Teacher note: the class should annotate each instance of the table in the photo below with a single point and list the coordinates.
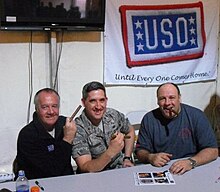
(200, 179)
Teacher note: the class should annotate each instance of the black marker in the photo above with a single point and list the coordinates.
(38, 184)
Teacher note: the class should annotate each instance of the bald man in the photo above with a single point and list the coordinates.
(175, 131)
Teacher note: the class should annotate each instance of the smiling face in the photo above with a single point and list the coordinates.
(169, 100)
(47, 109)
(95, 105)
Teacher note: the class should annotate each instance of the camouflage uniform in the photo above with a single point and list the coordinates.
(93, 141)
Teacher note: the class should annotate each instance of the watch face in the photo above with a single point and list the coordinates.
(192, 162)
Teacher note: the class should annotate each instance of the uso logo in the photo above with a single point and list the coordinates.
(162, 33)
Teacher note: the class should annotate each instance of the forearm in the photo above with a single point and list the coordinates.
(143, 156)
(129, 144)
(206, 155)
(94, 165)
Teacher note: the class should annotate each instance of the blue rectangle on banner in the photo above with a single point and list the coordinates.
(164, 33)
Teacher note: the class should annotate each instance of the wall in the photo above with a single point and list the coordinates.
(81, 61)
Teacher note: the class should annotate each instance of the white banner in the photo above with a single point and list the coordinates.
(149, 42)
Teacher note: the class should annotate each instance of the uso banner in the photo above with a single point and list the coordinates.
(153, 42)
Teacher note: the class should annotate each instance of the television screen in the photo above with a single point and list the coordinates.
(52, 15)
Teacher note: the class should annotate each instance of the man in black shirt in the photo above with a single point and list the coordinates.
(44, 146)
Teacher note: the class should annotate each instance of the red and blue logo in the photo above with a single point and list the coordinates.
(159, 34)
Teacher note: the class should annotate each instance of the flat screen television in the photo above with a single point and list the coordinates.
(77, 15)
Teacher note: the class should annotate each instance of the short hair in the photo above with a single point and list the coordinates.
(91, 86)
(175, 85)
(48, 90)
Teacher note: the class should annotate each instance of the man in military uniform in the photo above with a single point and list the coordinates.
(100, 141)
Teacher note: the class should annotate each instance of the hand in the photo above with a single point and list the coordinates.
(181, 166)
(159, 159)
(116, 144)
(127, 163)
(69, 131)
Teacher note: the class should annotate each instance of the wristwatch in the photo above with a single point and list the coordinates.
(126, 157)
(193, 162)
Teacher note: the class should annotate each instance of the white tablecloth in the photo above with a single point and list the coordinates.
(200, 179)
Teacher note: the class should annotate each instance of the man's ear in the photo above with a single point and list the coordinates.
(83, 102)
(180, 98)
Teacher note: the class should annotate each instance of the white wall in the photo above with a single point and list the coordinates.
(14, 95)
(80, 63)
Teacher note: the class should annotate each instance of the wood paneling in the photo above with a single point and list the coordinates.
(44, 36)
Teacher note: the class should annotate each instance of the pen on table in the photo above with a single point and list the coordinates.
(38, 184)
(75, 112)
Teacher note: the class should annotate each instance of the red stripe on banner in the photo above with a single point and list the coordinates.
(134, 59)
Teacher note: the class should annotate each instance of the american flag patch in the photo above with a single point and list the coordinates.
(50, 148)
(158, 34)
